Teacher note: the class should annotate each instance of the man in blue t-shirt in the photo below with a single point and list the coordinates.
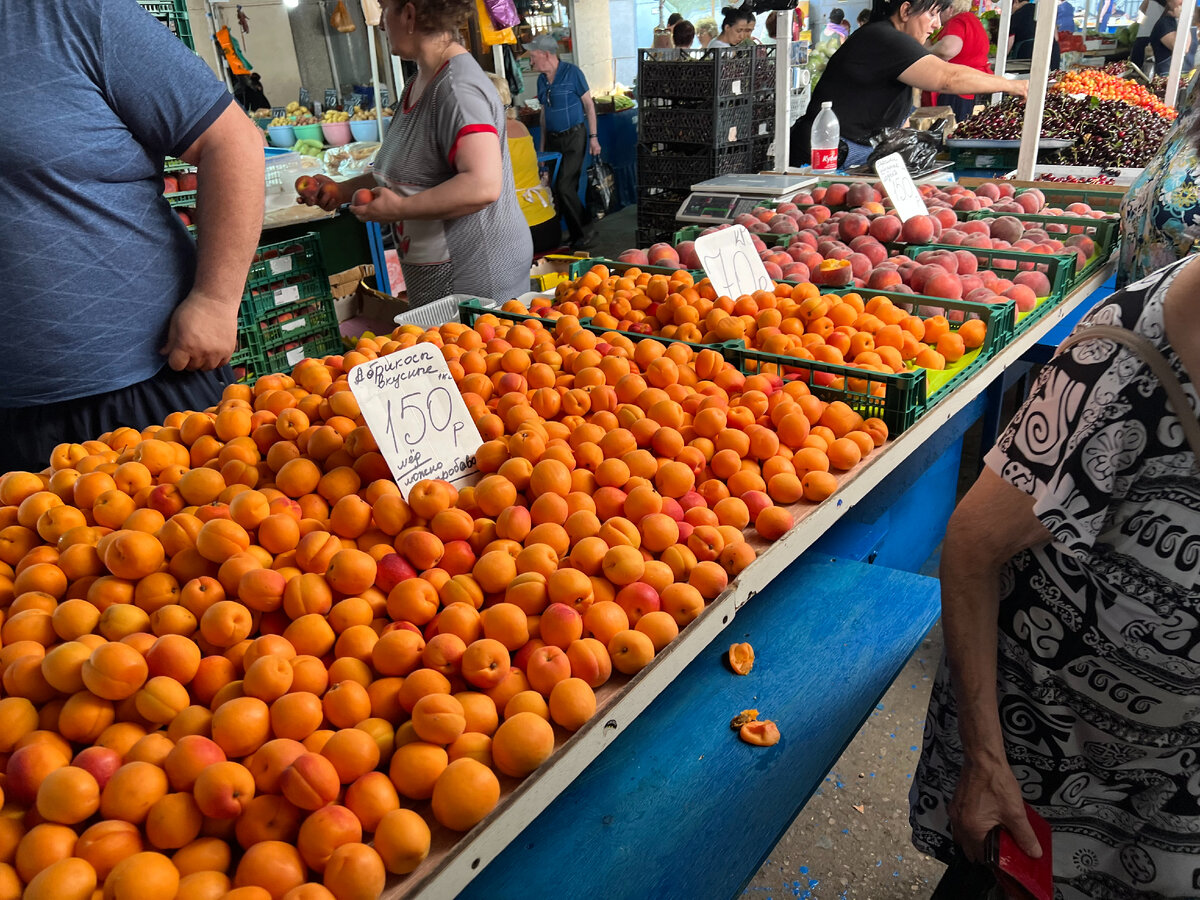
(567, 109)
(113, 315)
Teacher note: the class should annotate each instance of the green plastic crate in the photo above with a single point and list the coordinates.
(469, 311)
(181, 198)
(691, 232)
(725, 348)
(904, 398)
(264, 303)
(316, 317)
(1104, 232)
(174, 15)
(285, 259)
(1063, 195)
(1056, 266)
(1000, 318)
(315, 346)
(582, 266)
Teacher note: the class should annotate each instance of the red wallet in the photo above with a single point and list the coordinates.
(1022, 877)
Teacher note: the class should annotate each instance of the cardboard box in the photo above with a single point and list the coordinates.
(925, 117)
(347, 307)
(550, 271)
(345, 283)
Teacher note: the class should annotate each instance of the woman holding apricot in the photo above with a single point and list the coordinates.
(442, 178)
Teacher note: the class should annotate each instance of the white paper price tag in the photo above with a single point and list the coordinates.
(282, 264)
(900, 187)
(729, 259)
(417, 415)
(736, 87)
(293, 324)
(295, 355)
(289, 294)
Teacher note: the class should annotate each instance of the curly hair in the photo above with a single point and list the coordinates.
(439, 16)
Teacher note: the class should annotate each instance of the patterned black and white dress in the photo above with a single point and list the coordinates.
(487, 253)
(1099, 631)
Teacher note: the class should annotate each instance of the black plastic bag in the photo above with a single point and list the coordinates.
(601, 189)
(919, 149)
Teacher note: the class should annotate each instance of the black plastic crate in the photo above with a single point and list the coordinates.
(696, 74)
(764, 109)
(760, 156)
(644, 237)
(713, 123)
(765, 66)
(661, 203)
(677, 165)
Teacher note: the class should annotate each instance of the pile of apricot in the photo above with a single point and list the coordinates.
(237, 662)
(791, 320)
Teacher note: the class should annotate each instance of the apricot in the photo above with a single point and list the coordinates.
(522, 743)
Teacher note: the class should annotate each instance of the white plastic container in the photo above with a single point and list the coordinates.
(826, 134)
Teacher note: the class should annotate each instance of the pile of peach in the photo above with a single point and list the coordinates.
(237, 662)
(792, 320)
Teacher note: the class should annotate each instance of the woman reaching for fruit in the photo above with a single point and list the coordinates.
(1069, 578)
(443, 173)
(868, 80)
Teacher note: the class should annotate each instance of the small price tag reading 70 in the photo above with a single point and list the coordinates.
(732, 264)
(900, 187)
(417, 415)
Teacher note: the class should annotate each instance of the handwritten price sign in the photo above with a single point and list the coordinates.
(729, 259)
(900, 187)
(418, 417)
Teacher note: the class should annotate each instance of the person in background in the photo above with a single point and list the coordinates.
(249, 94)
(1148, 15)
(1162, 37)
(535, 198)
(737, 27)
(963, 42)
(684, 34)
(1022, 27)
(864, 16)
(442, 177)
(1160, 214)
(141, 318)
(1069, 590)
(869, 80)
(674, 19)
(569, 128)
(706, 32)
(837, 26)
(1066, 18)
(1106, 11)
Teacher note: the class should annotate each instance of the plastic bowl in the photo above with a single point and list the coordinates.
(281, 135)
(364, 129)
(308, 133)
(336, 133)
(264, 124)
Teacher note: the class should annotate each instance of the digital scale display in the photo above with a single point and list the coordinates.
(723, 199)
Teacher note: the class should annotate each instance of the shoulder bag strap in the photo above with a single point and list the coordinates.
(1158, 365)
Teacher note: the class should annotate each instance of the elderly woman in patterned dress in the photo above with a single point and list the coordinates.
(442, 177)
(1071, 608)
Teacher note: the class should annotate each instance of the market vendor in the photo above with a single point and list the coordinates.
(114, 316)
(964, 42)
(443, 177)
(1148, 15)
(1022, 29)
(737, 27)
(1162, 39)
(869, 80)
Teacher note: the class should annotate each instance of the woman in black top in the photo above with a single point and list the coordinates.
(869, 80)
(1162, 39)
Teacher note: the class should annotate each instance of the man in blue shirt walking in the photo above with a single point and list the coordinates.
(567, 110)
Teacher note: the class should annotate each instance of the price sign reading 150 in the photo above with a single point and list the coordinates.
(420, 422)
(412, 416)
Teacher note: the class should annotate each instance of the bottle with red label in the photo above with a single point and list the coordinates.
(826, 135)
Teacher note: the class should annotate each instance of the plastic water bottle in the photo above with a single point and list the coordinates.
(826, 133)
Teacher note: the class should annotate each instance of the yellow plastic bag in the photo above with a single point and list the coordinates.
(489, 35)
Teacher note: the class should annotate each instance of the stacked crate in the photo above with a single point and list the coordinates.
(695, 123)
(174, 15)
(287, 311)
(763, 125)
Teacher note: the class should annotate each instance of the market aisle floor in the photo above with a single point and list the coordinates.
(851, 842)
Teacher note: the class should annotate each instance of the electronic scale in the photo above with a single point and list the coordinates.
(723, 199)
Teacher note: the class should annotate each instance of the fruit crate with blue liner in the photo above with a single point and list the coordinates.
(174, 15)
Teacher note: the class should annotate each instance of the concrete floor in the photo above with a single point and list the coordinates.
(851, 841)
